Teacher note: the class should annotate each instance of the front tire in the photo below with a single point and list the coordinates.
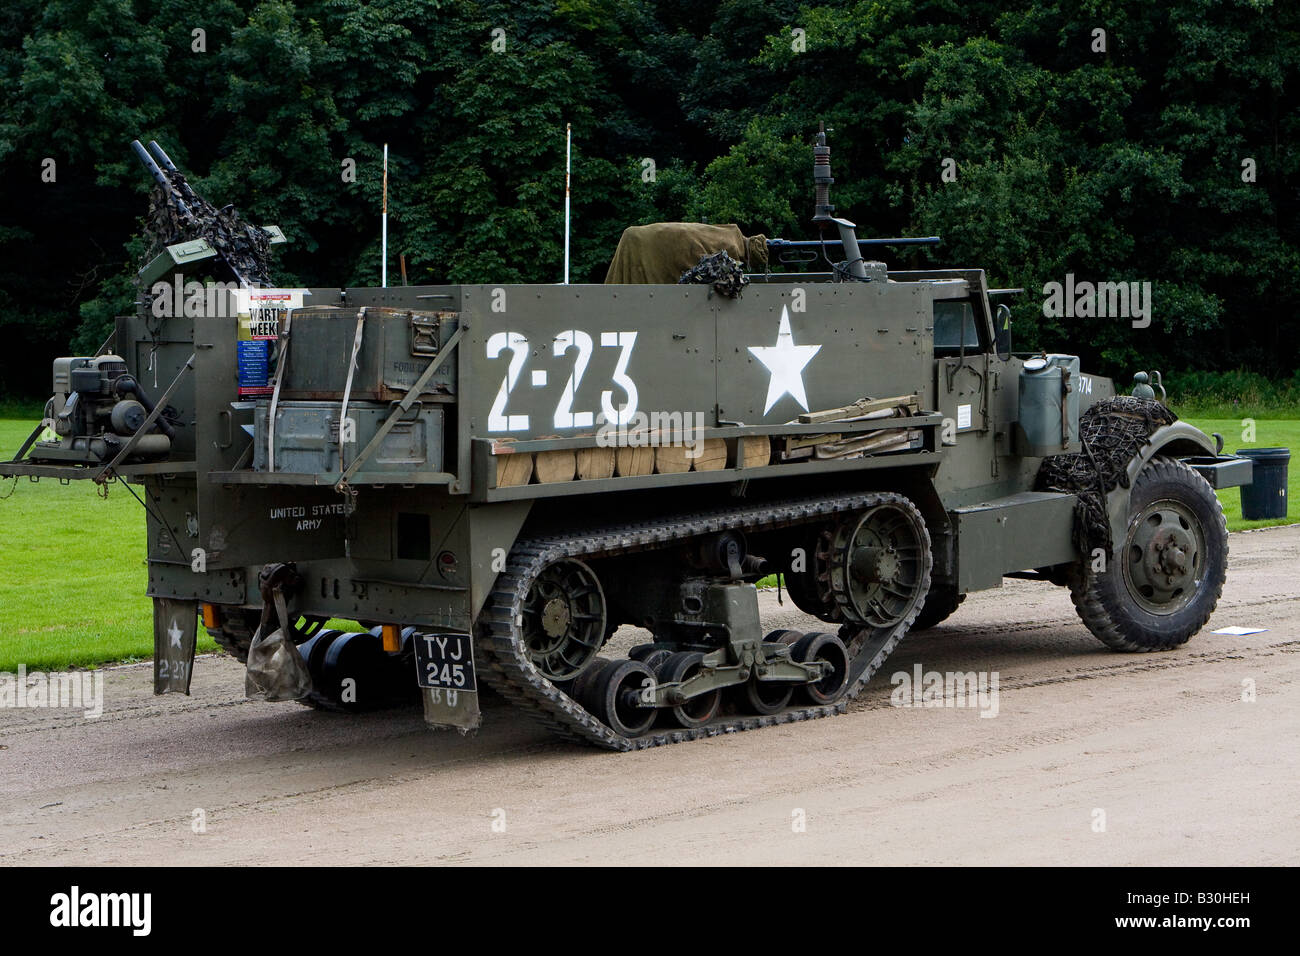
(1167, 574)
(941, 601)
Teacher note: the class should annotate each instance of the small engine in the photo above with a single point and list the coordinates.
(97, 407)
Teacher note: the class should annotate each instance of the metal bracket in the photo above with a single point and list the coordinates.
(106, 473)
(424, 335)
(31, 440)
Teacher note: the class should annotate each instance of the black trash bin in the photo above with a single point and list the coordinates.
(1265, 497)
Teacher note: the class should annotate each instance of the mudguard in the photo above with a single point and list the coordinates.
(175, 631)
(1178, 440)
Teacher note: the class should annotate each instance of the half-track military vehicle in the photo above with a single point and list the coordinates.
(492, 479)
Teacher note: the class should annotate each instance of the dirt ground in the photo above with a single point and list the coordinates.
(1093, 757)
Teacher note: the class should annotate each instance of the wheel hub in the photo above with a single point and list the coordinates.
(1165, 551)
(556, 617)
(876, 565)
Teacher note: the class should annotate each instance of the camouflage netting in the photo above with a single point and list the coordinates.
(1112, 432)
(661, 251)
(245, 248)
(725, 274)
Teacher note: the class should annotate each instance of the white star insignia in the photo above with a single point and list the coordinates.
(174, 633)
(786, 362)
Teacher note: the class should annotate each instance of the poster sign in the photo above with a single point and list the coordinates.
(261, 314)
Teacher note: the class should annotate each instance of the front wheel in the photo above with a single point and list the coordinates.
(941, 601)
(1166, 576)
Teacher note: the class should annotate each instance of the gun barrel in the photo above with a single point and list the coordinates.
(163, 159)
(159, 176)
(779, 244)
(147, 162)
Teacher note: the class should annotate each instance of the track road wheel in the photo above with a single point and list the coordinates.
(564, 619)
(940, 603)
(824, 647)
(651, 655)
(577, 687)
(699, 710)
(764, 697)
(1167, 574)
(809, 587)
(783, 636)
(655, 658)
(614, 697)
(880, 564)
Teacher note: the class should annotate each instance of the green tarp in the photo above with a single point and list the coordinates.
(660, 252)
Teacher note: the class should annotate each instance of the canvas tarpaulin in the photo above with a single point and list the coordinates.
(660, 252)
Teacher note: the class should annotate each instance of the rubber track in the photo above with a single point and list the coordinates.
(506, 668)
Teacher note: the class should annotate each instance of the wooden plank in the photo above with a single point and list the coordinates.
(858, 409)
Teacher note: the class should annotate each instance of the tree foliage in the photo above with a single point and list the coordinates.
(1119, 161)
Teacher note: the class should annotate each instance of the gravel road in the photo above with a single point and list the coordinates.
(1093, 757)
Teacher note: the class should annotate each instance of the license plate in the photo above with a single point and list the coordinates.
(444, 660)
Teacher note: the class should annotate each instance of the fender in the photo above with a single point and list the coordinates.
(1179, 440)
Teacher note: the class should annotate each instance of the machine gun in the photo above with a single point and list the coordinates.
(100, 416)
(854, 266)
(185, 227)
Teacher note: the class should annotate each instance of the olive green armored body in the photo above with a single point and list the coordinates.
(493, 478)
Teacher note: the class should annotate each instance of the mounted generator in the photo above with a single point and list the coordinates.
(492, 479)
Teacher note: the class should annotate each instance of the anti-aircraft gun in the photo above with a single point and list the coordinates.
(100, 416)
(493, 479)
(189, 229)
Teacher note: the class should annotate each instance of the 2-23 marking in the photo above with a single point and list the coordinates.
(516, 343)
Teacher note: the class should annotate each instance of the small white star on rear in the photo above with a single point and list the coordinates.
(174, 633)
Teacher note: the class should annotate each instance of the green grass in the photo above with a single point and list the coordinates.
(1269, 433)
(73, 571)
(1234, 411)
(1233, 394)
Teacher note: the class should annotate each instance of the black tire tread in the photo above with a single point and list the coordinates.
(1086, 593)
(940, 604)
